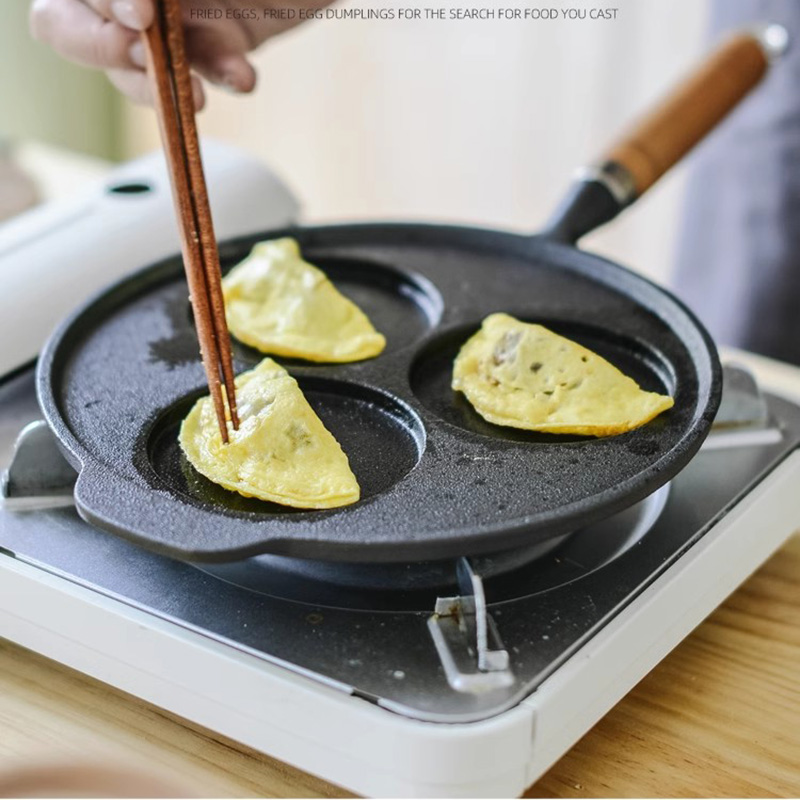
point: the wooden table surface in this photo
(719, 717)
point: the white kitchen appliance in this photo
(465, 686)
(54, 256)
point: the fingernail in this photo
(127, 13)
(228, 83)
(136, 54)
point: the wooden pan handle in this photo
(663, 137)
(683, 118)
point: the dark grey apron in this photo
(739, 256)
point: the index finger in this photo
(79, 34)
(134, 14)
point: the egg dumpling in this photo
(281, 453)
(525, 376)
(282, 305)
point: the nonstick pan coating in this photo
(118, 376)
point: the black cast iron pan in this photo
(116, 379)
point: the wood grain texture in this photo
(719, 717)
(184, 106)
(661, 138)
(168, 69)
(50, 714)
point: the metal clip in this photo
(38, 477)
(743, 418)
(466, 637)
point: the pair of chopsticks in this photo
(170, 78)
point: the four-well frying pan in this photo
(117, 377)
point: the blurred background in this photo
(468, 121)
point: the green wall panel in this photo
(45, 98)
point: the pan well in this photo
(402, 306)
(432, 371)
(382, 438)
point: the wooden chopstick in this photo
(168, 68)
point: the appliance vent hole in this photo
(130, 188)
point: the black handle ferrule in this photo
(588, 204)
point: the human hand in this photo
(105, 34)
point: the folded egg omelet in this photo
(281, 453)
(525, 376)
(282, 305)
